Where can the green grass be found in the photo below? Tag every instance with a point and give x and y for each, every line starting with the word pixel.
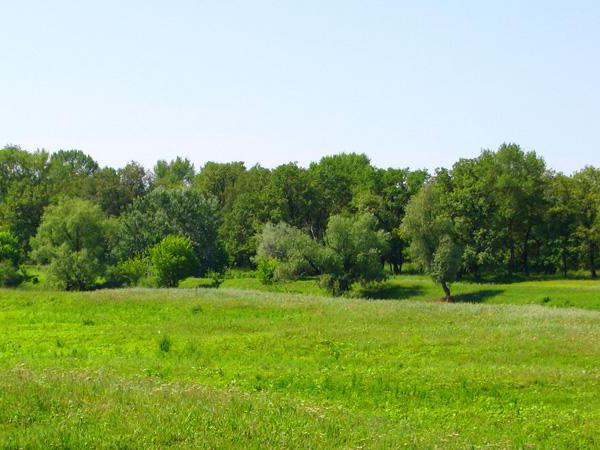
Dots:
pixel 235 368
pixel 553 292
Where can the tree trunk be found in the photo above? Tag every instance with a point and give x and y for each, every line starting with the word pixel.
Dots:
pixel 446 289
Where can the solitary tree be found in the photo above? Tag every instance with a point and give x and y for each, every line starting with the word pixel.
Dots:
pixel 430 231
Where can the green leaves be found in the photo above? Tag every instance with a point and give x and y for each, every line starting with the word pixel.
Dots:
pixel 172 260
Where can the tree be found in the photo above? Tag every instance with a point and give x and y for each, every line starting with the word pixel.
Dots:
pixel 175 174
pixel 172 260
pixel 69 171
pixel 430 230
pixel 10 258
pixel 72 239
pixel 296 253
pixel 9 248
pixel 185 212
pixel 387 200
pixel 354 250
pixel 562 220
pixel 587 197
pixel 219 180
pixel 351 252
pixel 23 192
pixel 337 179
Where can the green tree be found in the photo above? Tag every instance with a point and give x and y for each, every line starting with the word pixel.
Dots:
pixel 351 252
pixel 9 248
pixel 172 260
pixel 430 230
pixel 161 213
pixel 587 197
pixel 220 180
pixel 175 174
pixel 72 239
pixel 354 250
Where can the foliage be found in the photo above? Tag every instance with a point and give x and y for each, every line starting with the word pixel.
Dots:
pixel 72 225
pixel 74 270
pixel 161 213
pixel 353 252
pixel 431 232
pixel 131 271
pixel 216 278
pixel 10 275
pixel 9 248
pixel 172 260
pixel 265 270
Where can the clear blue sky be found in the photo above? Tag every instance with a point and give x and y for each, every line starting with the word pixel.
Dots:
pixel 416 84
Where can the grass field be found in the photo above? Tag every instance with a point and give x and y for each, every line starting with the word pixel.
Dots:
pixel 240 368
pixel 577 293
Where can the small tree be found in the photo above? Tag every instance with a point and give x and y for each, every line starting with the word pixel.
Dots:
pixel 173 260
pixel 72 239
pixel 74 271
pixel 430 231
pixel 353 252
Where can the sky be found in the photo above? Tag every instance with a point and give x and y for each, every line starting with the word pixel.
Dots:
pixel 415 84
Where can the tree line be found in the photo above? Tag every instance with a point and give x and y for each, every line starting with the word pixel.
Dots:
pixel 340 219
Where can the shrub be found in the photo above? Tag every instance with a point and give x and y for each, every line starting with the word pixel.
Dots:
pixel 216 278
pixel 172 260
pixel 265 270
pixel 131 271
pixel 9 248
pixel 10 276
pixel 74 271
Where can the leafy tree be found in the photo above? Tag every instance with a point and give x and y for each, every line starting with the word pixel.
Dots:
pixel 9 248
pixel 351 252
pixel 354 250
pixel 296 253
pixel 72 239
pixel 337 179
pixel 431 232
pixel 23 191
pixel 172 260
pixel 291 197
pixel 69 171
pixel 175 174
pixel 74 270
pixel 587 197
pixel 387 200
pixel 10 257
pixel 561 221
pixel 220 180
pixel 75 223
pixel 162 213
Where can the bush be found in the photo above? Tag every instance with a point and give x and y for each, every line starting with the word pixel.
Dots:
pixel 74 271
pixel 131 271
pixel 265 270
pixel 173 260
pixel 216 278
pixel 10 276
pixel 9 248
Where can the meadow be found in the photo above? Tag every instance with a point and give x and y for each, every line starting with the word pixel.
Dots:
pixel 233 367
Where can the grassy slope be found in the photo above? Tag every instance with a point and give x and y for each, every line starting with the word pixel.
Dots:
pixel 272 370
pixel 559 293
